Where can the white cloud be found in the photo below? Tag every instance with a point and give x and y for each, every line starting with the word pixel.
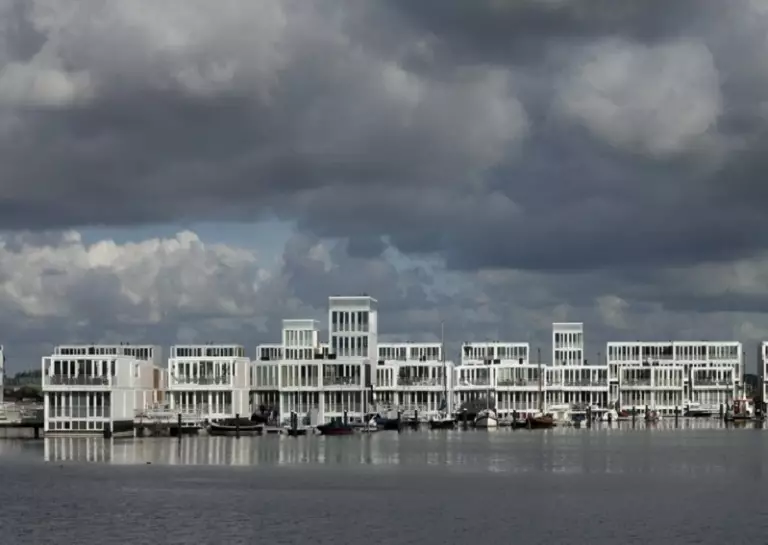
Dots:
pixel 661 99
pixel 146 280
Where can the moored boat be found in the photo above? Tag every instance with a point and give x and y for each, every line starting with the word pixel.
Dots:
pixel 698 410
pixel 487 419
pixel 743 409
pixel 335 427
pixel 233 426
pixel 542 421
pixel 652 416
pixel 442 423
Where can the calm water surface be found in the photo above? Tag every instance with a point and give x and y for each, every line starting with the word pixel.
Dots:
pixel 599 486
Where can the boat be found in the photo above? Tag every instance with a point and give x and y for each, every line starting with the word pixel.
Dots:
pixel 697 410
pixel 542 421
pixel 233 426
pixel 743 409
pixel 443 422
pixel 610 416
pixel 487 419
pixel 652 416
pixel 336 427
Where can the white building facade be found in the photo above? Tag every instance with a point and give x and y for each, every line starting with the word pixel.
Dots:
pixel 87 387
pixel 2 372
pixel 211 381
pixel 334 379
pixel 762 369
pixel 414 378
pixel 666 376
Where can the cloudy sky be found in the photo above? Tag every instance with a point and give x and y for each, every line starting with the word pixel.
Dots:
pixel 189 170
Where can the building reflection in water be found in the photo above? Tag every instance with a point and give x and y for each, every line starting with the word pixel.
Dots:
pixel 662 447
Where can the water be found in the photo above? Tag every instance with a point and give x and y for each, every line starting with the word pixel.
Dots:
pixel 599 486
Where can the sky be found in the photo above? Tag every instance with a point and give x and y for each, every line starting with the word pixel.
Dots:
pixel 193 171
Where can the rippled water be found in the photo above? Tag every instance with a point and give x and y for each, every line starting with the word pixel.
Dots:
pixel 599 486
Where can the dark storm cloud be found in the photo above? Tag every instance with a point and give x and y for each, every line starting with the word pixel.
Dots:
pixel 470 130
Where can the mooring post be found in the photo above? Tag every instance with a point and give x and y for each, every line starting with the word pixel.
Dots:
pixel 178 426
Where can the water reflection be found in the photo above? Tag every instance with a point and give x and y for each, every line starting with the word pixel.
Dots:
pixel 693 449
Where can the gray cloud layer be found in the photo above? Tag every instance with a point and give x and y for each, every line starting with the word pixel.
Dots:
pixel 596 156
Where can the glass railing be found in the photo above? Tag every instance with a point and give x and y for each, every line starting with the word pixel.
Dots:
pixel 201 381
pixel 636 382
pixel 59 380
pixel 341 381
pixel 475 382
pixel 419 382
pixel 517 382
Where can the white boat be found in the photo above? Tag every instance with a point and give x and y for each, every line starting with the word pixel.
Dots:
pixel 699 410
pixel 610 416
pixel 487 418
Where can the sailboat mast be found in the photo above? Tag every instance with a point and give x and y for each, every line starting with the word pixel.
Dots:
pixel 541 400
pixel 445 374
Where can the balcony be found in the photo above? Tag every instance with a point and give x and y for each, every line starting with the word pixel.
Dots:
pixel 478 382
pixel 63 380
pixel 521 383
pixel 349 382
pixel 711 382
pixel 201 381
pixel 585 383
pixel 636 382
pixel 419 382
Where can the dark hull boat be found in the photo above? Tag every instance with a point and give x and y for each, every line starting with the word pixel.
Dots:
pixel 387 424
pixel 538 422
pixel 233 427
pixel 336 428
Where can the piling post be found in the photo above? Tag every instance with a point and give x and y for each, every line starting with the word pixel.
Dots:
pixel 722 412
pixel 399 420
pixel 178 426
pixel 589 416
pixel 647 413
pixel 464 417
pixel 677 414
pixel 416 417
pixel 237 425
pixel 634 415
pixel 346 417
pixel 107 430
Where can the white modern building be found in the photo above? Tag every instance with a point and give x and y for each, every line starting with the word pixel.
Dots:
pixel 336 379
pixel 762 369
pixel 211 381
pixel 2 372
pixel 498 371
pixel 571 380
pixel 670 375
pixel 414 378
pixel 88 386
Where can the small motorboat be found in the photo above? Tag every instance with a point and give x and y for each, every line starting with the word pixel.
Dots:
pixel 444 422
pixel 698 410
pixel 652 416
pixel 542 421
pixel 336 427
pixel 233 426
pixel 487 419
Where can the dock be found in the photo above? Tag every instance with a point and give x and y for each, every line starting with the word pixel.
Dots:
pixel 164 421
pixel 21 420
